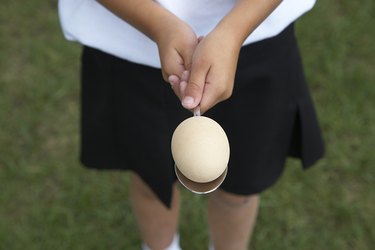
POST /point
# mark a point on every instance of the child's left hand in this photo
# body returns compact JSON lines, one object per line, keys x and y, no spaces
{"x":212,"y":72}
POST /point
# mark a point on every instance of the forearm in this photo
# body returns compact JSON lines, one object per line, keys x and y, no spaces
{"x":244,"y":18}
{"x":145,"y":15}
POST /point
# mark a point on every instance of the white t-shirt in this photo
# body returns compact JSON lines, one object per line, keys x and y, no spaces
{"x":91,"y":24}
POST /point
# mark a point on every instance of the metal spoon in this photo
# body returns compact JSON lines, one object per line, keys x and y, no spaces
{"x":200,"y":187}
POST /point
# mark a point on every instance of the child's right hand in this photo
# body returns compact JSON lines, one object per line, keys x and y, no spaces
{"x":176,"y":46}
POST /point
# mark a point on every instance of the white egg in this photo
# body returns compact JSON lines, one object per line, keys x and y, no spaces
{"x":200,"y":149}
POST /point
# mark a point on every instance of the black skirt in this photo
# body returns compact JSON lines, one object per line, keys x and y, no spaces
{"x":129,"y":113}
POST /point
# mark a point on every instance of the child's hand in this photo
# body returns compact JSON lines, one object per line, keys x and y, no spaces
{"x":215,"y":58}
{"x":212,"y":73}
{"x":176,"y":46}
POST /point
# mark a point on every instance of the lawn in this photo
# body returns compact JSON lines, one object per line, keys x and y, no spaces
{"x":49,"y":201}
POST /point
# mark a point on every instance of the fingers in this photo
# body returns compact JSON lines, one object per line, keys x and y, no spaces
{"x":185,"y":76}
{"x":173,"y":79}
{"x":208,"y":82}
{"x":179,"y":62}
{"x":187,"y":54}
{"x":193,"y":89}
{"x":195,"y":86}
{"x":205,"y":96}
{"x":179,"y":84}
{"x":184,"y":64}
{"x":213,"y":94}
{"x":172,"y":66}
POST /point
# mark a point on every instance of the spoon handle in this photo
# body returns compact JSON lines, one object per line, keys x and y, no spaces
{"x":197,"y":111}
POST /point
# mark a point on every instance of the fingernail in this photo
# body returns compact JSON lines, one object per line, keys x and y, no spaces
{"x":188,"y":101}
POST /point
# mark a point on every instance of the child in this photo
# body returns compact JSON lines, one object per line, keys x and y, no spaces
{"x":237,"y":60}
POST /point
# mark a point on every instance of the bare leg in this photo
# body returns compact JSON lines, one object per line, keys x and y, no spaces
{"x":231,"y":219}
{"x":157,"y":223}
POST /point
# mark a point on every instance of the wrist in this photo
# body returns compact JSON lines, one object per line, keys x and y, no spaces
{"x":244,"y":18}
{"x":167,"y":25}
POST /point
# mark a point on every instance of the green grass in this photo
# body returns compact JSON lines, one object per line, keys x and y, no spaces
{"x":48,"y":201}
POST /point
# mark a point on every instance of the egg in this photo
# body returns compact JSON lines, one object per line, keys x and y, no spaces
{"x":200,"y":149}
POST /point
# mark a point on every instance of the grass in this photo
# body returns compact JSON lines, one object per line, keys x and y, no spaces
{"x":48,"y":201}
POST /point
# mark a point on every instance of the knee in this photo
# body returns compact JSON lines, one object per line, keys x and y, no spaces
{"x":226,"y":199}
{"x":139,"y":188}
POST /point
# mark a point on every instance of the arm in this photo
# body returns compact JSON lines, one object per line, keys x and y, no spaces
{"x":245,"y":17}
{"x":175,"y":39}
{"x":214,"y":61}
{"x":142,"y":14}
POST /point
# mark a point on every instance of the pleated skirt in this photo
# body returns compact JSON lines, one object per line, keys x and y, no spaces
{"x":128,"y":115}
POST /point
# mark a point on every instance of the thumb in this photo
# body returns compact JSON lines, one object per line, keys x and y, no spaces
{"x":193,"y":93}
